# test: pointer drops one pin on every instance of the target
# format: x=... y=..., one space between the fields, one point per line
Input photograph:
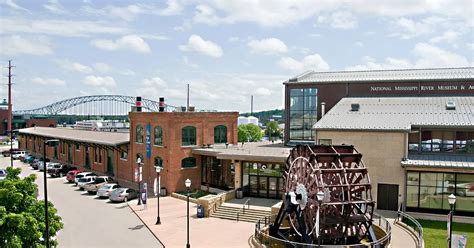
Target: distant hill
x=265 y=116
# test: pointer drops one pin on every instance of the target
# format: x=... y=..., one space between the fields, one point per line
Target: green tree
x=272 y=130
x=22 y=220
x=249 y=133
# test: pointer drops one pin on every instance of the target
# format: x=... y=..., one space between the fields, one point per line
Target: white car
x=81 y=175
x=49 y=165
x=18 y=154
x=85 y=180
x=3 y=174
x=105 y=190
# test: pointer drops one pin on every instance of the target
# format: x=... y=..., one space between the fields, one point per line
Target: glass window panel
x=412 y=196
x=310 y=91
x=413 y=178
x=139 y=134
x=188 y=136
x=430 y=197
x=254 y=185
x=220 y=134
x=310 y=103
x=296 y=103
x=296 y=134
x=253 y=168
x=188 y=162
x=461 y=141
x=428 y=179
x=158 y=139
x=296 y=92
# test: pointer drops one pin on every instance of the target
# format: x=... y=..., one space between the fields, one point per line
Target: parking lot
x=88 y=220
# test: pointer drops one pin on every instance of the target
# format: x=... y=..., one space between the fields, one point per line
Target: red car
x=71 y=175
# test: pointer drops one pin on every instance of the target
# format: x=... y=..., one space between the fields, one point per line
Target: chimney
x=191 y=109
x=138 y=104
x=162 y=104
x=355 y=107
x=450 y=105
x=323 y=109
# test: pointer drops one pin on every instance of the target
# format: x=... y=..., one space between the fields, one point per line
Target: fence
x=263 y=238
x=413 y=225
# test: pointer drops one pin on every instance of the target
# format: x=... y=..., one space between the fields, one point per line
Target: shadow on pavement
x=137 y=227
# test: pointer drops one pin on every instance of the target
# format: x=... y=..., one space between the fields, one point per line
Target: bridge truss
x=96 y=104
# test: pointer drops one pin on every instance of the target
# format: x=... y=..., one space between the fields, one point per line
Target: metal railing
x=263 y=238
x=247 y=202
x=414 y=225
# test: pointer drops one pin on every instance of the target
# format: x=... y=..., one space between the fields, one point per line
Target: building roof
x=431 y=74
x=253 y=151
x=398 y=113
x=95 y=137
x=439 y=161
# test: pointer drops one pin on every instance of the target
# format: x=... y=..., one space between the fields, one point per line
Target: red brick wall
x=41 y=123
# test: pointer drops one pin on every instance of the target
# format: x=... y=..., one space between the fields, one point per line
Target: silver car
x=81 y=175
x=85 y=180
x=123 y=195
x=106 y=189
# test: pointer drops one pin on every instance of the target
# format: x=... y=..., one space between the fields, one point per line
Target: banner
x=459 y=241
x=144 y=193
x=148 y=141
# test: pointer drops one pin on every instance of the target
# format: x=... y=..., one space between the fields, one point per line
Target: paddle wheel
x=328 y=197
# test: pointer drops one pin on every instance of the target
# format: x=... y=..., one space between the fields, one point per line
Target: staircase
x=230 y=213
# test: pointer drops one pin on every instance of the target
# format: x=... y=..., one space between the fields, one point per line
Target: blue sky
x=226 y=50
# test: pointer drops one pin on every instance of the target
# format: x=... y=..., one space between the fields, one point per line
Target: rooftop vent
x=355 y=107
x=450 y=106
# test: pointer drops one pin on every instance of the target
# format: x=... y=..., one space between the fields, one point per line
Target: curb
x=156 y=237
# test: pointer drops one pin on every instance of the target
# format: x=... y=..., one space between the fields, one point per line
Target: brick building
x=159 y=138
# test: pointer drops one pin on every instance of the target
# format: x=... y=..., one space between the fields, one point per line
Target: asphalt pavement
x=88 y=220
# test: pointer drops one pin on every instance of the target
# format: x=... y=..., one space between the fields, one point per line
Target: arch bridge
x=95 y=105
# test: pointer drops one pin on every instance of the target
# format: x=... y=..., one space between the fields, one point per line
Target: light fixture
x=320 y=196
x=158 y=169
x=187 y=183
x=452 y=199
x=139 y=160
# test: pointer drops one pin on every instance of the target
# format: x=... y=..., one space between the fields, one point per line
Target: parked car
x=39 y=163
x=85 y=180
x=81 y=175
x=465 y=189
x=123 y=195
x=7 y=153
x=49 y=165
x=106 y=189
x=3 y=174
x=59 y=170
x=27 y=159
x=92 y=187
x=18 y=154
x=71 y=175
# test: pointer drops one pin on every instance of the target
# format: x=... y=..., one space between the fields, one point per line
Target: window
x=100 y=155
x=158 y=136
x=78 y=147
x=465 y=142
x=188 y=136
x=413 y=142
x=303 y=113
x=124 y=155
x=325 y=142
x=188 y=162
x=158 y=162
x=139 y=134
x=139 y=155
x=220 y=134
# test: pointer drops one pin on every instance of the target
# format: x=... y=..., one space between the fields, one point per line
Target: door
x=110 y=163
x=387 y=196
x=88 y=160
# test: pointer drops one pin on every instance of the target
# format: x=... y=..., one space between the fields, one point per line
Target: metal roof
x=431 y=74
x=439 y=161
x=398 y=113
x=252 y=151
x=95 y=137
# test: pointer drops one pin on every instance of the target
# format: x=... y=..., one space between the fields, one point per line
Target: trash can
x=239 y=194
x=200 y=211
x=163 y=191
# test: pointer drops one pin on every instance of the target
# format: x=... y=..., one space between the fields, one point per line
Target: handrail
x=417 y=228
x=261 y=235
x=243 y=208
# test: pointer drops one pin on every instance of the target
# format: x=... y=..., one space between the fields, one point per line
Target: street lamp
x=158 y=170
x=11 y=147
x=188 y=185
x=51 y=142
x=139 y=163
x=320 y=196
x=452 y=202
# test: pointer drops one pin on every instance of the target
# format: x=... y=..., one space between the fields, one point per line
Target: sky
x=225 y=50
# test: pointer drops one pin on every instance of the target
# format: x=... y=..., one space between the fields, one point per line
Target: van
x=18 y=154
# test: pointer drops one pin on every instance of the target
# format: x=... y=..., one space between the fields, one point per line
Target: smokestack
x=187 y=103
x=162 y=104
x=138 y=103
x=323 y=109
x=251 y=105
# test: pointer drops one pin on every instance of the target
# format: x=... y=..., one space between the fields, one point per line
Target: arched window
x=220 y=134
x=188 y=162
x=158 y=162
x=188 y=136
x=158 y=136
x=139 y=155
x=139 y=134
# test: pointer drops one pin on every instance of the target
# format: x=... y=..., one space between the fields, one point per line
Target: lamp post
x=452 y=202
x=320 y=196
x=51 y=142
x=11 y=148
x=188 y=185
x=139 y=163
x=158 y=170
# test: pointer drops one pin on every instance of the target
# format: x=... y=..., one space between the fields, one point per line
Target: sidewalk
x=205 y=232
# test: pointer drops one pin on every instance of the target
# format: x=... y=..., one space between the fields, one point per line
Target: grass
x=435 y=234
x=195 y=194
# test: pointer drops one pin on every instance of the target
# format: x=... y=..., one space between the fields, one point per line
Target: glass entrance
x=262 y=179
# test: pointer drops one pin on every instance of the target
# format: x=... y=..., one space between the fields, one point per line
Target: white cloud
x=57 y=27
x=199 y=45
x=370 y=63
x=156 y=81
x=470 y=46
x=268 y=46
x=173 y=7
x=12 y=4
x=74 y=66
x=48 y=81
x=433 y=56
x=359 y=43
x=15 y=45
x=310 y=62
x=262 y=91
x=55 y=7
x=127 y=42
x=448 y=36
x=102 y=67
x=408 y=28
x=340 y=20
x=131 y=11
x=101 y=82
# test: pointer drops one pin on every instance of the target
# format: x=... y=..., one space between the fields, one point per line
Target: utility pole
x=251 y=105
x=9 y=126
x=187 y=100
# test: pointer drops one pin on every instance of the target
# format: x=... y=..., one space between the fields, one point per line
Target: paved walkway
x=400 y=236
x=205 y=232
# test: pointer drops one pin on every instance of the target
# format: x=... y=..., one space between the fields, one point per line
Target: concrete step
x=230 y=213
